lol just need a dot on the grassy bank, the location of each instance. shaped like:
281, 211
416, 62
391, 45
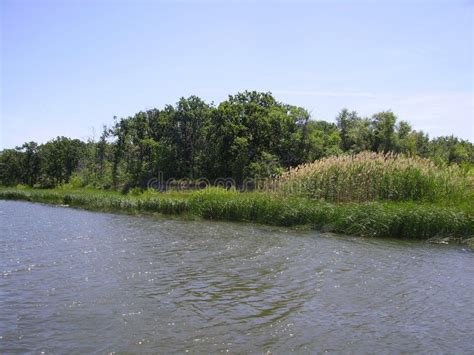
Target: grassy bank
413, 220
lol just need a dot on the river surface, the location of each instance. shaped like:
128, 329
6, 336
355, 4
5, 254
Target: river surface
78, 281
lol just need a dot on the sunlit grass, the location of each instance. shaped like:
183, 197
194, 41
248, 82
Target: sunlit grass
375, 219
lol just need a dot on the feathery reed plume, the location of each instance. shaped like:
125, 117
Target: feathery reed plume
373, 176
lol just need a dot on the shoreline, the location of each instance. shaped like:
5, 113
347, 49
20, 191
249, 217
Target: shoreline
399, 220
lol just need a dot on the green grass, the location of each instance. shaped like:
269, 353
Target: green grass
408, 220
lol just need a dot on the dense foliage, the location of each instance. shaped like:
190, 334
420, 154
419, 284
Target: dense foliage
250, 134
374, 176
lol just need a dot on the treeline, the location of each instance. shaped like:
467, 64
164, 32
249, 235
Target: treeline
250, 134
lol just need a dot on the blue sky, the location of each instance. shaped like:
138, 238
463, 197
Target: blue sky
69, 66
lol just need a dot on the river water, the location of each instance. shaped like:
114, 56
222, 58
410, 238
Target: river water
79, 281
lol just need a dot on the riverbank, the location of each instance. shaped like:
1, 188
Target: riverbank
406, 220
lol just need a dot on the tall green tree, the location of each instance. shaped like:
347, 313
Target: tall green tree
59, 159
383, 125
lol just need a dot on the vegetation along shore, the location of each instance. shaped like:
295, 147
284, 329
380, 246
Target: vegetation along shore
398, 198
376, 219
365, 176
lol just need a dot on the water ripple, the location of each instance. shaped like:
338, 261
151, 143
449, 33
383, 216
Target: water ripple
93, 282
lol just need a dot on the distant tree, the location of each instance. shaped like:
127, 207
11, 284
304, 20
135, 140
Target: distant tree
422, 144
30, 163
190, 122
452, 150
11, 171
59, 159
361, 135
383, 126
250, 128
249, 134
404, 141
346, 123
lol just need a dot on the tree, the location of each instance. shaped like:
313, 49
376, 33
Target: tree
11, 167
404, 140
361, 135
452, 150
250, 134
59, 159
30, 163
190, 122
346, 122
249, 128
383, 125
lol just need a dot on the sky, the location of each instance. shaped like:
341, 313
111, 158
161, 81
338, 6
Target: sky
68, 67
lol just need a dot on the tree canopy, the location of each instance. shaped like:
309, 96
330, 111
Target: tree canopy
250, 134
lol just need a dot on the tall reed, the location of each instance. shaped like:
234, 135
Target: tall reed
373, 176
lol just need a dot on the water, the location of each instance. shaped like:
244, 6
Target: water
80, 281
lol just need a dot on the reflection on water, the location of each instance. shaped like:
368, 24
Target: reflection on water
82, 281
